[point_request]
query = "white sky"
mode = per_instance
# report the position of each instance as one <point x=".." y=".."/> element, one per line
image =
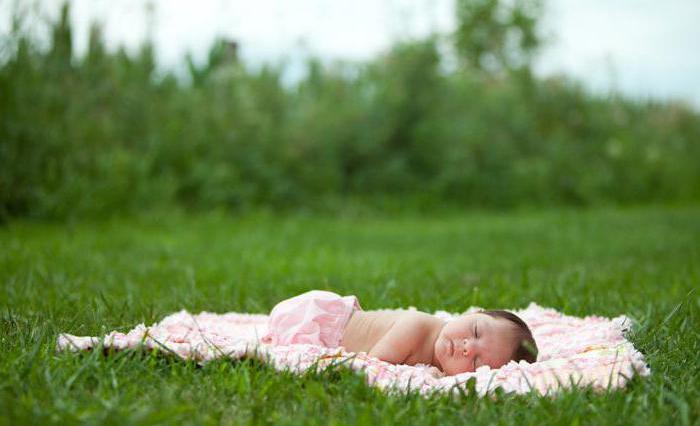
<point x="640" y="47"/>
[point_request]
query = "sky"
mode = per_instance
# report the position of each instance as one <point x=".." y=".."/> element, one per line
<point x="644" y="48"/>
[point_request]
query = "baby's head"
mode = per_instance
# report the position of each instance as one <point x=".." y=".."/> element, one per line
<point x="491" y="338"/>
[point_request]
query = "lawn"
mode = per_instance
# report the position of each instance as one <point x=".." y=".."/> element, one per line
<point x="87" y="278"/>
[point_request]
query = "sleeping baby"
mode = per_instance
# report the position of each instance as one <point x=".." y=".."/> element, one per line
<point x="491" y="338"/>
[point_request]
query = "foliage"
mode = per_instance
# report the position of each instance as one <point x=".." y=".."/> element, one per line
<point x="108" y="132"/>
<point x="497" y="34"/>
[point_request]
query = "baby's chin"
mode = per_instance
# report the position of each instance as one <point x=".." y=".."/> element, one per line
<point x="444" y="362"/>
<point x="451" y="372"/>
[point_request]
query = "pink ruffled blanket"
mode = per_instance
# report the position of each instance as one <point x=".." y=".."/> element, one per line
<point x="590" y="351"/>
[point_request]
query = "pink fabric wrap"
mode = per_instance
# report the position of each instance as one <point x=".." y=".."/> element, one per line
<point x="316" y="317"/>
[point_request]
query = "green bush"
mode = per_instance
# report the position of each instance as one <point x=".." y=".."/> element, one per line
<point x="107" y="132"/>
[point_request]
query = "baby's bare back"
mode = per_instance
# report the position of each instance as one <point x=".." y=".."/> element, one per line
<point x="406" y="330"/>
<point x="365" y="328"/>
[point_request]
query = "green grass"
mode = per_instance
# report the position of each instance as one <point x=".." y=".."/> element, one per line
<point x="89" y="278"/>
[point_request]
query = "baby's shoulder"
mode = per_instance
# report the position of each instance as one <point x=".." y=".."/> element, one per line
<point x="415" y="321"/>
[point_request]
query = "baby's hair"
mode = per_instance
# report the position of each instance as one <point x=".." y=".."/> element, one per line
<point x="526" y="348"/>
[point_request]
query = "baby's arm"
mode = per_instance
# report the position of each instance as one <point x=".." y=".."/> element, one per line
<point x="402" y="339"/>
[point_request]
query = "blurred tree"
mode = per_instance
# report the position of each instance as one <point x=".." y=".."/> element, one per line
<point x="62" y="40"/>
<point x="222" y="53"/>
<point x="497" y="35"/>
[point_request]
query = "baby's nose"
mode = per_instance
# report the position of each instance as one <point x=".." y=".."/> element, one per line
<point x="467" y="347"/>
<point x="470" y="345"/>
